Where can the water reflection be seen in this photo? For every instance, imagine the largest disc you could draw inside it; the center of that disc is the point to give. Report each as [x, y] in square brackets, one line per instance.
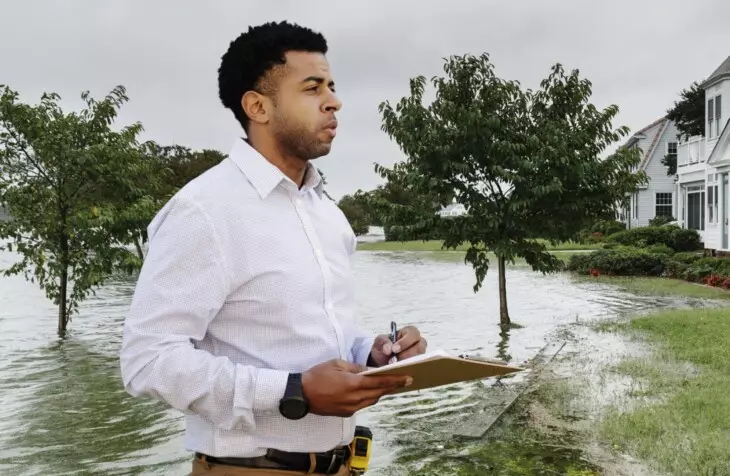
[63, 410]
[76, 415]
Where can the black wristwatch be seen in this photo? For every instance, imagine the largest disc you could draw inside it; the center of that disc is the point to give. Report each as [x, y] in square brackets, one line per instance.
[293, 405]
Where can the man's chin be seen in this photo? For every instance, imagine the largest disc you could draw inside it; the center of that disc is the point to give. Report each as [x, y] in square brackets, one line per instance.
[321, 151]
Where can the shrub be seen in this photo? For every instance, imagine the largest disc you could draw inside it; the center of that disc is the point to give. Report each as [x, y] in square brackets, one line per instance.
[408, 233]
[703, 268]
[619, 262]
[684, 239]
[660, 249]
[687, 257]
[608, 227]
[661, 220]
[678, 239]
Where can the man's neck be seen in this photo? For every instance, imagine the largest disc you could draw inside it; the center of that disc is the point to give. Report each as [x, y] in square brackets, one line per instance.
[292, 167]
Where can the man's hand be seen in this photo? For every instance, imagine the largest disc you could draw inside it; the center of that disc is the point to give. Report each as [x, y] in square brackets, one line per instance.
[409, 344]
[333, 388]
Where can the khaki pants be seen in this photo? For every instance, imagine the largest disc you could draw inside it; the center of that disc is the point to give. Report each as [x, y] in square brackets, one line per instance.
[201, 468]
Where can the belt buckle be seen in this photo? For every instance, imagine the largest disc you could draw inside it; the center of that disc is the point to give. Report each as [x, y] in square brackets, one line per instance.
[338, 454]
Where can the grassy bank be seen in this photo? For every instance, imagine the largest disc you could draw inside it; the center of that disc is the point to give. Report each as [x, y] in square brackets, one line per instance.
[435, 245]
[683, 423]
[655, 286]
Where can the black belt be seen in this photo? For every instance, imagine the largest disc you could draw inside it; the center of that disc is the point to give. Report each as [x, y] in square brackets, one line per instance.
[329, 462]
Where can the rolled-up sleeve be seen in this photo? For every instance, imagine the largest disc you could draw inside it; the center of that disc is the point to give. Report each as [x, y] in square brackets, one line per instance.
[181, 288]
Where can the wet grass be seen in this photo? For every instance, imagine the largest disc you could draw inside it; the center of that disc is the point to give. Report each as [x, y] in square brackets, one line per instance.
[436, 245]
[652, 286]
[683, 425]
[519, 444]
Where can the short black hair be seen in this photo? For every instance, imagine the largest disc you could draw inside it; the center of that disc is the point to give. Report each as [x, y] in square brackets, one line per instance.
[254, 53]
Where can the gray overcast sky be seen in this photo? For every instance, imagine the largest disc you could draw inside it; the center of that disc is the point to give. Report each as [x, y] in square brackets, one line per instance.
[638, 55]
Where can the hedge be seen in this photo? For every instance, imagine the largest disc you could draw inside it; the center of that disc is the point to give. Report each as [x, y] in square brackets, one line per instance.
[678, 239]
[619, 262]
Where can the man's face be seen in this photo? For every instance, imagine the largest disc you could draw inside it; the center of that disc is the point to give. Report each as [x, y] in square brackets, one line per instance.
[303, 121]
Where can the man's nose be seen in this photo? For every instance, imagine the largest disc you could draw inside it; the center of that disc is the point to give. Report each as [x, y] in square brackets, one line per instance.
[332, 103]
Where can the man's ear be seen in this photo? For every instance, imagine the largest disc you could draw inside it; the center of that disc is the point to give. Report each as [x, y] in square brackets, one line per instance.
[256, 106]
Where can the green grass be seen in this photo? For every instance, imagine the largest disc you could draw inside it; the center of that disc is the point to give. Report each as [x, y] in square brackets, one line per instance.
[688, 430]
[435, 245]
[654, 286]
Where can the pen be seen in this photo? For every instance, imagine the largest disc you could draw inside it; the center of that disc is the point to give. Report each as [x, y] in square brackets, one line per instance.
[393, 338]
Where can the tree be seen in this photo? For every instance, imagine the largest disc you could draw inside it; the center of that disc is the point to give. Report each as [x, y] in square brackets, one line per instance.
[355, 209]
[689, 112]
[688, 115]
[526, 164]
[70, 183]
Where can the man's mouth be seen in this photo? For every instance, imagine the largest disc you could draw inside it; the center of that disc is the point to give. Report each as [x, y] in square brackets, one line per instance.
[331, 128]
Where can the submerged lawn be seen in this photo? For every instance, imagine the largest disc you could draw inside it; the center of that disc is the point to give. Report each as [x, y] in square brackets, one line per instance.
[662, 287]
[435, 245]
[684, 427]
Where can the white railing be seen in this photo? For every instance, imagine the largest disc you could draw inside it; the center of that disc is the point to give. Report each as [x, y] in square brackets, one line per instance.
[691, 151]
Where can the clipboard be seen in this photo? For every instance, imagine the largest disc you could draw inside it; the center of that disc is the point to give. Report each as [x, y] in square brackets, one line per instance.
[438, 368]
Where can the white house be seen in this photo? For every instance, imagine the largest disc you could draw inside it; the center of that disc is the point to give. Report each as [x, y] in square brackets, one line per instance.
[452, 210]
[703, 165]
[657, 197]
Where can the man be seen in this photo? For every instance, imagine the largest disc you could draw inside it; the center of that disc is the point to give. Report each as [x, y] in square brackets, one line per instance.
[243, 316]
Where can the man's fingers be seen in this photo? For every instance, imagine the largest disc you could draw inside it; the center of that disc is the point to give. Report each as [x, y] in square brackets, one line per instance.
[352, 367]
[384, 381]
[417, 349]
[407, 338]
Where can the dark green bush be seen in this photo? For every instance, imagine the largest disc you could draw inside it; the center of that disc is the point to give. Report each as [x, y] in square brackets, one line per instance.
[687, 257]
[608, 227]
[409, 233]
[660, 249]
[676, 238]
[699, 269]
[684, 239]
[660, 220]
[619, 262]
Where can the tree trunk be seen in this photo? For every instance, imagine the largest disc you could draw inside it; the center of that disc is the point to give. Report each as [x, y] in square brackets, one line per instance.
[63, 291]
[504, 319]
[139, 248]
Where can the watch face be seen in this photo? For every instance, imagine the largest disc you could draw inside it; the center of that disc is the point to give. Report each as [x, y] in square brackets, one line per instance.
[294, 408]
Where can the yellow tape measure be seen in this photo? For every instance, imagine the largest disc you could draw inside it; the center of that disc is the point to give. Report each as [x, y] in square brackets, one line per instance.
[360, 448]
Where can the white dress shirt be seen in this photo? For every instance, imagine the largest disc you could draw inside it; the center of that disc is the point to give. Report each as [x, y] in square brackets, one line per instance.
[247, 278]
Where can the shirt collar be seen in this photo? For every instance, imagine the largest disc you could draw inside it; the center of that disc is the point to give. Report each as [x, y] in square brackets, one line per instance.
[265, 176]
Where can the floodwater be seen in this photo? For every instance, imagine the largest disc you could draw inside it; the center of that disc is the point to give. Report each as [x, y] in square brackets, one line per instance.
[63, 410]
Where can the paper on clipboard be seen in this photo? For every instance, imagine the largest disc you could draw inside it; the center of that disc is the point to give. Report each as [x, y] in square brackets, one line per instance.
[437, 368]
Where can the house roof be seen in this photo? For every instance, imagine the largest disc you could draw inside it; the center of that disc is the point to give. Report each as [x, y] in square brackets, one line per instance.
[654, 144]
[664, 123]
[723, 71]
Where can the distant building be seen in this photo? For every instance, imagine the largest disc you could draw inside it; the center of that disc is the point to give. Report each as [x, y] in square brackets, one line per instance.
[656, 198]
[453, 210]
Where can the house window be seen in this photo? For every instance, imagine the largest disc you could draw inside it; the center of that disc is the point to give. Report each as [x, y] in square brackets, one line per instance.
[663, 205]
[696, 208]
[714, 114]
[671, 148]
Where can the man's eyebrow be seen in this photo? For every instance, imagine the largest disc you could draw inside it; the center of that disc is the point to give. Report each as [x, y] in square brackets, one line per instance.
[317, 79]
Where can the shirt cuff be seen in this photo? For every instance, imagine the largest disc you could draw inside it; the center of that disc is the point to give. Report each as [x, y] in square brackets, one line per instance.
[270, 389]
[363, 351]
